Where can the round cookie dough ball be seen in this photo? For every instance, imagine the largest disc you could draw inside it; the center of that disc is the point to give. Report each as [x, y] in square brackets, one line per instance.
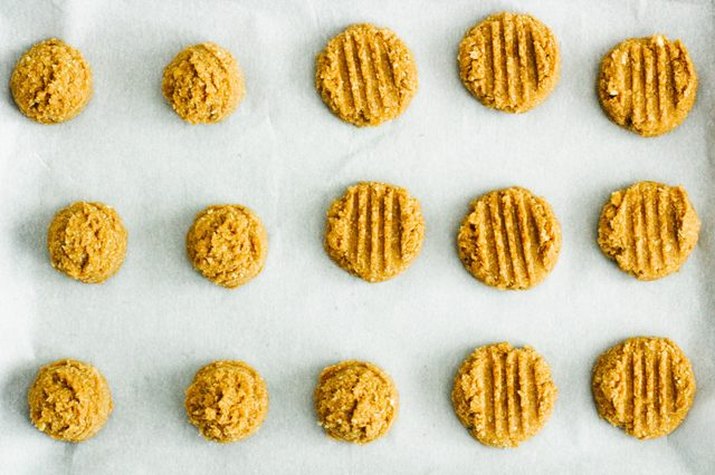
[504, 395]
[227, 401]
[366, 75]
[644, 385]
[51, 82]
[355, 401]
[510, 239]
[509, 62]
[87, 241]
[69, 400]
[374, 231]
[647, 85]
[203, 83]
[649, 229]
[227, 244]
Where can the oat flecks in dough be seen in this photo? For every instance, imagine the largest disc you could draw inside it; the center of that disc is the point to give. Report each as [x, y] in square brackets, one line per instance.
[69, 400]
[649, 229]
[644, 385]
[366, 75]
[227, 401]
[51, 82]
[648, 85]
[203, 83]
[355, 401]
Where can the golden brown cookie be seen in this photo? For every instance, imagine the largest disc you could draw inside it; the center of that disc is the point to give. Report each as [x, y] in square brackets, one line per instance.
[203, 83]
[227, 401]
[69, 400]
[504, 395]
[649, 229]
[355, 401]
[644, 385]
[366, 75]
[648, 85]
[510, 239]
[374, 230]
[51, 82]
[87, 241]
[509, 62]
[227, 244]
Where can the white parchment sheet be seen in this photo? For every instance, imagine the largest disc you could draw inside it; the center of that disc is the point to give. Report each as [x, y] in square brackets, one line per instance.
[282, 153]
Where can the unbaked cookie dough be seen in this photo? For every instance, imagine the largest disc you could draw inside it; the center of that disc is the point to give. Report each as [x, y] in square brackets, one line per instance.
[227, 401]
[69, 400]
[374, 231]
[51, 82]
[504, 395]
[227, 244]
[649, 229]
[366, 75]
[355, 401]
[509, 62]
[648, 85]
[510, 239]
[203, 83]
[644, 385]
[87, 241]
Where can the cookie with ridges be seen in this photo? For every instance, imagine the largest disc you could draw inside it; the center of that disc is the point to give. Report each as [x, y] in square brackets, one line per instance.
[644, 385]
[366, 75]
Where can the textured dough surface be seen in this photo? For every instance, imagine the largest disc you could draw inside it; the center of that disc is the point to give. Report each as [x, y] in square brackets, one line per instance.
[366, 75]
[374, 231]
[644, 385]
[648, 85]
[355, 401]
[504, 395]
[510, 239]
[227, 401]
[69, 400]
[509, 62]
[649, 229]
[51, 82]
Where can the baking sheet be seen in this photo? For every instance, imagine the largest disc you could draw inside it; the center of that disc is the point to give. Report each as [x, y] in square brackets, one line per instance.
[283, 154]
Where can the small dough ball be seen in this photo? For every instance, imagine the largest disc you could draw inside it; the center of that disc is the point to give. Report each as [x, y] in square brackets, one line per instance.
[87, 241]
[227, 401]
[51, 82]
[227, 244]
[69, 400]
[203, 83]
[355, 401]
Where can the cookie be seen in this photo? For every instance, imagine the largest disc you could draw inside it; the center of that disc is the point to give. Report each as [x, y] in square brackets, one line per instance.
[510, 239]
[644, 385]
[87, 241]
[504, 395]
[227, 244]
[647, 85]
[52, 82]
[69, 400]
[203, 83]
[355, 401]
[374, 231]
[649, 229]
[366, 75]
[509, 62]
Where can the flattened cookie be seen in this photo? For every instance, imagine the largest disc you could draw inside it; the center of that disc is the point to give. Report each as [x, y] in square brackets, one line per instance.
[504, 395]
[510, 239]
[648, 85]
[374, 230]
[644, 385]
[649, 229]
[366, 75]
[509, 62]
[355, 401]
